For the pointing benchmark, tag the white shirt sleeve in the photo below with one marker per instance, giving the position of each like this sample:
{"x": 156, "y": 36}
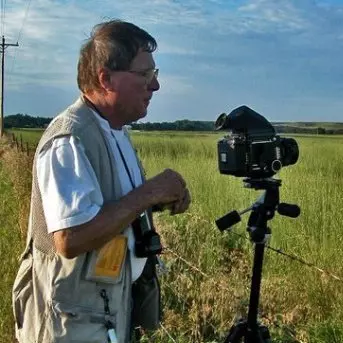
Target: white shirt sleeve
{"x": 71, "y": 194}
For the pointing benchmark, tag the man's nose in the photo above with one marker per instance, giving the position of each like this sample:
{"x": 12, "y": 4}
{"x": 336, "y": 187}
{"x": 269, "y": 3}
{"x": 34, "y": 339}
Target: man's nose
{"x": 154, "y": 85}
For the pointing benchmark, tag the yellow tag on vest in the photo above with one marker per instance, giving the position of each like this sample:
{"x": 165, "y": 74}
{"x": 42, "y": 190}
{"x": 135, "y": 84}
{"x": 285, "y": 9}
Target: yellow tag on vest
{"x": 111, "y": 257}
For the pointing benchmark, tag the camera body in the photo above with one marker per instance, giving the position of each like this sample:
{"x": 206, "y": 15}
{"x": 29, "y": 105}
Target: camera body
{"x": 252, "y": 148}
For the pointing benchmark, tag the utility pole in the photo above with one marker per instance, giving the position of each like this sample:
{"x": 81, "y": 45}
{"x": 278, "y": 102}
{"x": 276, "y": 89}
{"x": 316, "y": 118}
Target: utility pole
{"x": 4, "y": 45}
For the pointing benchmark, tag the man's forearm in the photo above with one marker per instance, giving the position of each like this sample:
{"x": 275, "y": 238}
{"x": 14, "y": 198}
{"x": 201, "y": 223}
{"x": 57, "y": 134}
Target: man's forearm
{"x": 112, "y": 219}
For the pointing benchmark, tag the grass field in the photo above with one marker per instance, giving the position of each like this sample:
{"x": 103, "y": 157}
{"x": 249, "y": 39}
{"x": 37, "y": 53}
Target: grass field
{"x": 208, "y": 282}
{"x": 31, "y": 136}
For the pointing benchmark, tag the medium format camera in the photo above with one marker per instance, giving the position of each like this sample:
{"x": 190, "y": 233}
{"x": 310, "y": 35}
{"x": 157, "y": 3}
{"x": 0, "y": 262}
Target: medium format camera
{"x": 252, "y": 148}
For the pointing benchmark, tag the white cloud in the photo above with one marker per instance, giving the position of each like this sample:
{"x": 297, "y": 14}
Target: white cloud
{"x": 53, "y": 33}
{"x": 175, "y": 85}
{"x": 165, "y": 48}
{"x": 46, "y": 20}
{"x": 252, "y": 45}
{"x": 164, "y": 12}
{"x": 262, "y": 16}
{"x": 49, "y": 42}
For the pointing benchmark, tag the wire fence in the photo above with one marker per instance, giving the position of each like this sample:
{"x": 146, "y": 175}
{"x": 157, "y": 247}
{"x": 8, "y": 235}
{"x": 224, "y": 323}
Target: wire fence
{"x": 21, "y": 145}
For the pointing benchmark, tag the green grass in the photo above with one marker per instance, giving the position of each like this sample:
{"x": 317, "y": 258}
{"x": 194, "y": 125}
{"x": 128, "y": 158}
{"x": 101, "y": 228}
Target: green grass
{"x": 301, "y": 301}
{"x": 11, "y": 245}
{"x": 31, "y": 136}
{"x": 325, "y": 125}
{"x": 298, "y": 303}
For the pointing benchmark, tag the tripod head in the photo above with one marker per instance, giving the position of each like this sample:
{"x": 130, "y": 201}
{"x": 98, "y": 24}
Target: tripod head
{"x": 262, "y": 211}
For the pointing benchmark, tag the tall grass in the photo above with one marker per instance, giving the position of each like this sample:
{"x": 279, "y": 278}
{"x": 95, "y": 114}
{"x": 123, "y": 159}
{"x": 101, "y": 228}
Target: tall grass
{"x": 299, "y": 303}
{"x": 15, "y": 183}
{"x": 30, "y": 136}
{"x": 208, "y": 282}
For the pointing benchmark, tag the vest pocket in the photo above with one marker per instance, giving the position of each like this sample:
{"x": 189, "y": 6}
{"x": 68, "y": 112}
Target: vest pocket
{"x": 22, "y": 295}
{"x": 107, "y": 264}
{"x": 76, "y": 324}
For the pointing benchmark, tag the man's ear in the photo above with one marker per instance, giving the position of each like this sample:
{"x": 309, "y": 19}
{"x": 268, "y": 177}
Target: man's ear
{"x": 106, "y": 80}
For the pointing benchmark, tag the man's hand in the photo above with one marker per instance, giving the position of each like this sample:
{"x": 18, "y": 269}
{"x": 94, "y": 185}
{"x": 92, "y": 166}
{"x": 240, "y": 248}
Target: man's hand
{"x": 169, "y": 190}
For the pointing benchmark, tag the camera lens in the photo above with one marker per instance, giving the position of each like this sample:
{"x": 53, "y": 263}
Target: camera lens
{"x": 289, "y": 151}
{"x": 276, "y": 166}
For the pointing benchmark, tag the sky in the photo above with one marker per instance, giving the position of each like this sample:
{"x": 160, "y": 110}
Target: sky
{"x": 282, "y": 58}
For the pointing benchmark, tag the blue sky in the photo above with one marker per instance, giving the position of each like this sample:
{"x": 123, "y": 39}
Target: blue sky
{"x": 283, "y": 58}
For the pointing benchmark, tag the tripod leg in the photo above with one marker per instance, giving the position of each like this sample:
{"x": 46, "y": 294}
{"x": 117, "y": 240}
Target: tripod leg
{"x": 237, "y": 332}
{"x": 261, "y": 335}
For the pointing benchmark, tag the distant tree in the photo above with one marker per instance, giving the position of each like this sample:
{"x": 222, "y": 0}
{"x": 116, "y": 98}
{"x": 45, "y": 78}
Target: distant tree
{"x": 179, "y": 125}
{"x": 23, "y": 120}
{"x": 26, "y": 121}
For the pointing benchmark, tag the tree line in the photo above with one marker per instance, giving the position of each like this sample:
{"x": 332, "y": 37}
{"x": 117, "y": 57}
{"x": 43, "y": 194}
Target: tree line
{"x": 178, "y": 125}
{"x": 27, "y": 121}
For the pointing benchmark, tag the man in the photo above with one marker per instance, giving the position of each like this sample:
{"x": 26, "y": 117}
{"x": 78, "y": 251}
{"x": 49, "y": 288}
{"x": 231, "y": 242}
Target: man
{"x": 81, "y": 278}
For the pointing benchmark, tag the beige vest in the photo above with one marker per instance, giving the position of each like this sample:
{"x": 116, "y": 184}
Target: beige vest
{"x": 52, "y": 300}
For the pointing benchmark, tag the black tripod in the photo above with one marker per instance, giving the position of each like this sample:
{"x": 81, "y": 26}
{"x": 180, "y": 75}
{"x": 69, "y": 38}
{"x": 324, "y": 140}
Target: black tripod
{"x": 262, "y": 210}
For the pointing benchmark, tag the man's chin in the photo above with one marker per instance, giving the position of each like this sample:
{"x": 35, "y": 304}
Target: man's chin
{"x": 136, "y": 117}
{"x": 143, "y": 113}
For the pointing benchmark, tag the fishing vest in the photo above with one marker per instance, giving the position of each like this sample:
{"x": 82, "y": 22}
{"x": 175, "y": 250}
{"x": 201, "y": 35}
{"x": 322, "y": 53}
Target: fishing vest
{"x": 53, "y": 301}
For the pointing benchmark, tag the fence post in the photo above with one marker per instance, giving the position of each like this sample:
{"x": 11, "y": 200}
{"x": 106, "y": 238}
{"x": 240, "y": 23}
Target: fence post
{"x": 21, "y": 143}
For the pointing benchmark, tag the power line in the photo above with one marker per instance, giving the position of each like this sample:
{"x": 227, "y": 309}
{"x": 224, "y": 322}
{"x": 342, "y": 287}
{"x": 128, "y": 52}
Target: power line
{"x": 19, "y": 34}
{"x": 2, "y": 17}
{"x": 24, "y": 20}
{"x": 4, "y": 45}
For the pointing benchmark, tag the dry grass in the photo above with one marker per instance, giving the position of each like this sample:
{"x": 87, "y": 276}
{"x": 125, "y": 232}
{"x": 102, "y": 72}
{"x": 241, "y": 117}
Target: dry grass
{"x": 203, "y": 298}
{"x": 19, "y": 168}
{"x": 14, "y": 205}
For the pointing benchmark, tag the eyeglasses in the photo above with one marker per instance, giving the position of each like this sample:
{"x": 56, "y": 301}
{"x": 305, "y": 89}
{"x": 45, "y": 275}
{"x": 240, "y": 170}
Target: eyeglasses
{"x": 148, "y": 74}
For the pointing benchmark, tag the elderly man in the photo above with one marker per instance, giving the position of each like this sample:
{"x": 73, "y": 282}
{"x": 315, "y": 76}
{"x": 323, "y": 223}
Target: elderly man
{"x": 87, "y": 274}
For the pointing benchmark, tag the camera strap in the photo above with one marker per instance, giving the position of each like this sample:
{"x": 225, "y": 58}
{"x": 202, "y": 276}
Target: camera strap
{"x": 142, "y": 226}
{"x": 89, "y": 103}
{"x": 147, "y": 241}
{"x": 124, "y": 162}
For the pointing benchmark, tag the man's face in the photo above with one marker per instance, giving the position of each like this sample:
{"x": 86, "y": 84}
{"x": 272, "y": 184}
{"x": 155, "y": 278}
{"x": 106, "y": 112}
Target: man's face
{"x": 135, "y": 87}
